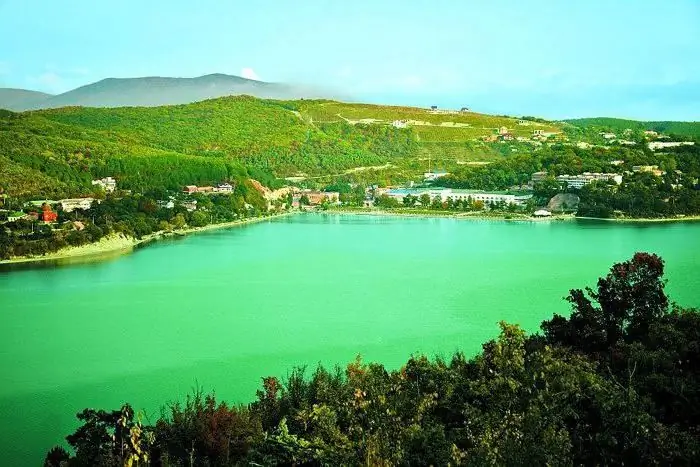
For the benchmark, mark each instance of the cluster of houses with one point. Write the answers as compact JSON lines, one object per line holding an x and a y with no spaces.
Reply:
{"x":306,"y":199}
{"x":108,"y":184}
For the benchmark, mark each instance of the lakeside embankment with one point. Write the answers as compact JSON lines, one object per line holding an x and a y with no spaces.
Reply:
{"x":449,"y":214}
{"x":505,"y":216}
{"x":120,"y":243}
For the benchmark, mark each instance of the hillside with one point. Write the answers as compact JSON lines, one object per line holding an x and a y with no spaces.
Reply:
{"x":688,"y":129}
{"x":219,"y":139}
{"x":21,"y":99}
{"x":155,"y":91}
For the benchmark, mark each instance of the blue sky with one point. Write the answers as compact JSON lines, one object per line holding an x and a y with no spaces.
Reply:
{"x":626,"y":58}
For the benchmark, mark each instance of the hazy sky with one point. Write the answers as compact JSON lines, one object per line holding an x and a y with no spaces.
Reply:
{"x":633,"y":58}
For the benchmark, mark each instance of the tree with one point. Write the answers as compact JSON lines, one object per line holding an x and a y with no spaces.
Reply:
{"x":179,"y":221}
{"x":629,"y":299}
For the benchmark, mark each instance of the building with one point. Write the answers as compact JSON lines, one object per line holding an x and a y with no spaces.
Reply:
{"x":506,"y":137}
{"x":15,"y":216}
{"x":578,"y":181}
{"x":651,"y":133}
{"x":224,"y":188}
{"x":608,"y":136}
{"x":542,"y":213}
{"x":537,"y":132}
{"x":71,"y":204}
{"x":463,"y":195}
{"x":653,"y":169}
{"x":432,"y":176}
{"x":205,"y":189}
{"x":538,"y":176}
{"x":617,"y":162}
{"x":47,"y":215}
{"x":654,"y":145}
{"x":399,"y":124}
{"x":503,"y":131}
{"x":190,"y":205}
{"x":319,"y":197}
{"x":108,"y":184}
{"x":189,"y":189}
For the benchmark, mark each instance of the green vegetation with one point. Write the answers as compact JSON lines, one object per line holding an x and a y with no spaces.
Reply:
{"x":687,"y":129}
{"x":617,"y":382}
{"x":133,"y":216}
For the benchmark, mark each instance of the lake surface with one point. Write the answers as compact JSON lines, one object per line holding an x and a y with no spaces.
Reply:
{"x":221,"y":309}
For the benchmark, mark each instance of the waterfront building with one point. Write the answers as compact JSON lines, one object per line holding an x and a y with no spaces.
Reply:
{"x":462,"y":195}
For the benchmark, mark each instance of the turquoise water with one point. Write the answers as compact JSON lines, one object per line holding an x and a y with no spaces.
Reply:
{"x":221,"y":309}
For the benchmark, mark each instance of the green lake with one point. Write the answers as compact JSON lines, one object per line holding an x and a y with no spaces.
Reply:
{"x":221,"y":309}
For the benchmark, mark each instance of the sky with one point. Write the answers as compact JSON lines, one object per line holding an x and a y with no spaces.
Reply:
{"x":555,"y":59}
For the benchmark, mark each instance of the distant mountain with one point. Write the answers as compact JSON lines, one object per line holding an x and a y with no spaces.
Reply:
{"x":689,"y":129}
{"x":21,"y":99}
{"x":158,"y":91}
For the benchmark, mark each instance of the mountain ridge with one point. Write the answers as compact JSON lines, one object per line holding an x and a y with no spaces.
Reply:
{"x":154,"y":91}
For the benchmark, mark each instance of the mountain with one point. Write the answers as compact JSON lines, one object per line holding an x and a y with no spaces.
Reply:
{"x":21,"y":99}
{"x":157,"y":91}
{"x":689,"y":129}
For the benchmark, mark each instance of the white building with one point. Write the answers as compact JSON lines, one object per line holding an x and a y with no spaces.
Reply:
{"x":223,"y":188}
{"x":654,"y":145}
{"x":456,"y":194}
{"x":399,"y":124}
{"x":431,"y":176}
{"x":578,"y":181}
{"x":71,"y":204}
{"x":608,"y":135}
{"x":542,"y":213}
{"x":108,"y":184}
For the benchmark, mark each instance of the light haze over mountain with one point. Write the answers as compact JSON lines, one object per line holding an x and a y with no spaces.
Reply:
{"x":154,"y":91}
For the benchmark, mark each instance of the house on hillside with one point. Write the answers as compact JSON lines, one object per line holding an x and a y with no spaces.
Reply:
{"x":108,"y":184}
{"x":651,"y":133}
{"x":15,"y":216}
{"x":205,"y":189}
{"x":224,"y":188}
{"x":190,"y":189}
{"x":503,"y":131}
{"x":71,"y":204}
{"x":47,"y":215}
{"x":399,"y":124}
{"x":538,"y":132}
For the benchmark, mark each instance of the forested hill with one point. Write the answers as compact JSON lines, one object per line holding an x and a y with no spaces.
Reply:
{"x":689,"y":129}
{"x":54,"y":151}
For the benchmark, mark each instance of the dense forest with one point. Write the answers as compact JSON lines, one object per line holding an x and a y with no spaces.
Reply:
{"x":615,"y":382}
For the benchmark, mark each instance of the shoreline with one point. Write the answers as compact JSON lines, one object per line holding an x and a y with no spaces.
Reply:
{"x":508,"y":217}
{"x":451,"y":215}
{"x":121,"y":244}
